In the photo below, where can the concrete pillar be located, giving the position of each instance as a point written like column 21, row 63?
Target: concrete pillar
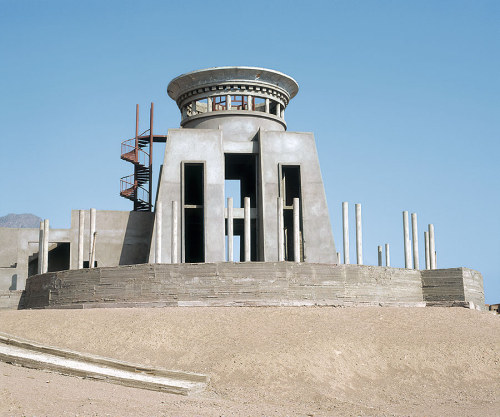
column 249, row 103
column 159, row 230
column 427, row 257
column 296, row 230
column 282, row 112
column 379, row 250
column 246, row 213
column 228, row 102
column 174, row 246
column 406, row 234
column 414, row 235
column 387, row 255
column 193, row 108
column 281, row 232
column 209, row 104
column 45, row 264
column 92, row 254
column 230, row 232
column 278, row 109
column 339, row 261
column 345, row 229
column 267, row 105
column 40, row 249
column 92, row 235
column 432, row 247
column 81, row 230
column 359, row 236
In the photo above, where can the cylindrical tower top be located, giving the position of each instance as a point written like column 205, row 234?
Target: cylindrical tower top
column 223, row 92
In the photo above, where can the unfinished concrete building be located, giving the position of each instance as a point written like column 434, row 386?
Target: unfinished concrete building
column 232, row 129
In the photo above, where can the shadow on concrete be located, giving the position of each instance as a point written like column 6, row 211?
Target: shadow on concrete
column 137, row 240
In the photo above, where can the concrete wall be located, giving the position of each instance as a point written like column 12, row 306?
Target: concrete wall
column 295, row 148
column 123, row 237
column 454, row 284
column 193, row 145
column 225, row 284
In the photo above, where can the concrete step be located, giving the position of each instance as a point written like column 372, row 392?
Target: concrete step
column 34, row 355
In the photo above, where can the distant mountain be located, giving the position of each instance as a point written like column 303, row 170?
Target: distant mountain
column 20, row 221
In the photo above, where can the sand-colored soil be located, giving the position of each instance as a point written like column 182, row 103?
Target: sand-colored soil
column 268, row 361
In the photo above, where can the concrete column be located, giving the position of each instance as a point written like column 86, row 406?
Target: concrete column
column 45, row 261
column 427, row 257
column 359, row 236
column 193, row 108
column 281, row 232
column 249, row 101
column 345, row 229
column 379, row 250
column 339, row 261
column 40, row 249
column 432, row 247
column 387, row 255
column 209, row 104
column 414, row 235
column 81, row 230
column 282, row 112
column 228, row 102
column 159, row 230
column 278, row 109
column 296, row 230
column 267, row 105
column 246, row 213
column 92, row 254
column 174, row 247
column 230, row 232
column 406, row 234
column 91, row 236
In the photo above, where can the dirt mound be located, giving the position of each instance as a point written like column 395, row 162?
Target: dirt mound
column 279, row 361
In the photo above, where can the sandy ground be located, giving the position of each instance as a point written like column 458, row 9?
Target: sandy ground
column 298, row 361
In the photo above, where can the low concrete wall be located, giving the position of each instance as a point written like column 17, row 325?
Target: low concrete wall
column 11, row 300
column 226, row 284
column 453, row 284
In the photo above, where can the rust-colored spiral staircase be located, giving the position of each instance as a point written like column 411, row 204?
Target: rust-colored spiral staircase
column 138, row 187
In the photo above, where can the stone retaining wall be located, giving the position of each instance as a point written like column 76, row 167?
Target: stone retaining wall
column 248, row 284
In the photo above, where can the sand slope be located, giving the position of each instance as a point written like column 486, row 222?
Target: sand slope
column 269, row 361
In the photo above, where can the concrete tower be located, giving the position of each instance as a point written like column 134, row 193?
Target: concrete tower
column 233, row 128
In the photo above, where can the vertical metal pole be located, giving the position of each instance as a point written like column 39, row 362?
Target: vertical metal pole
column 414, row 235
column 387, row 255
column 92, row 235
column 359, row 236
column 136, row 188
column 296, row 230
column 427, row 257
column 406, row 235
column 432, row 246
column 45, row 264
column 40, row 249
column 230, row 230
column 151, row 157
column 379, row 250
column 281, row 231
column 345, row 229
column 246, row 211
column 175, row 233
column 159, row 231
column 81, row 230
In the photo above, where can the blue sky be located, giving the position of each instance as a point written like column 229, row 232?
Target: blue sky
column 402, row 96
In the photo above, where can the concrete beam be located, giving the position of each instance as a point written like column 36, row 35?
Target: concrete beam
column 296, row 230
column 359, row 236
column 174, row 247
column 81, row 230
column 414, row 234
column 345, row 230
column 159, row 230
column 247, row 241
column 406, row 235
column 230, row 230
